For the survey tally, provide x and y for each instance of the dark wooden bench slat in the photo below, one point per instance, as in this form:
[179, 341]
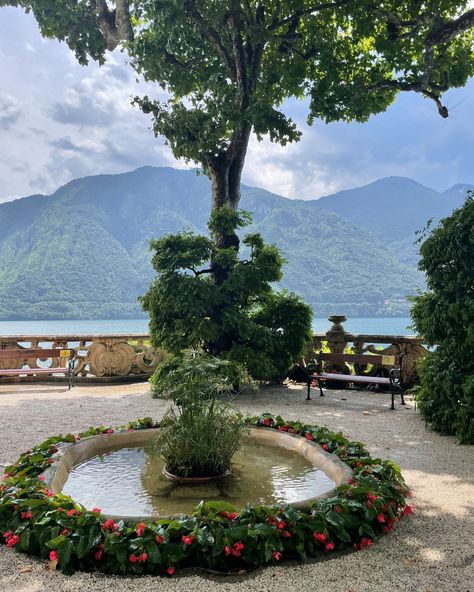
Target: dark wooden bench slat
[360, 359]
[25, 354]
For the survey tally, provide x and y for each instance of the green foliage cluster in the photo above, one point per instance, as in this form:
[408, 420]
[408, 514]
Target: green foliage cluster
[202, 432]
[242, 318]
[216, 535]
[444, 316]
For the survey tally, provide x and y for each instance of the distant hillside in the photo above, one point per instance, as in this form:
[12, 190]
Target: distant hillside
[393, 209]
[82, 252]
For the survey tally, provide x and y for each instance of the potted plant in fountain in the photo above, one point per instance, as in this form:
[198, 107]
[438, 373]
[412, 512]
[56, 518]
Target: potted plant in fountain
[202, 430]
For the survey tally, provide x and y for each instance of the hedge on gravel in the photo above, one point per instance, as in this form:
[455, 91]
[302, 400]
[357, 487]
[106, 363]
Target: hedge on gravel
[215, 536]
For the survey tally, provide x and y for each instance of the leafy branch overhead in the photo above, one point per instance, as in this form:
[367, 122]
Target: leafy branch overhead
[350, 56]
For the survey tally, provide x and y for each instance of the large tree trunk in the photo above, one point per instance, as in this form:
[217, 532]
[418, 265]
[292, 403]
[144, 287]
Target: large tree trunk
[225, 172]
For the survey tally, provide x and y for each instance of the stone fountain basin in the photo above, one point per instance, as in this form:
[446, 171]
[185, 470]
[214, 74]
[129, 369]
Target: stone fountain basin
[71, 455]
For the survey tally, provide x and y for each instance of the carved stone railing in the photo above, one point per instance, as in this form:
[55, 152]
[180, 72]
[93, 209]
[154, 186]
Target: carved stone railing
[336, 339]
[110, 357]
[97, 357]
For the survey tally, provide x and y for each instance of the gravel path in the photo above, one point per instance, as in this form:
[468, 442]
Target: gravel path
[432, 551]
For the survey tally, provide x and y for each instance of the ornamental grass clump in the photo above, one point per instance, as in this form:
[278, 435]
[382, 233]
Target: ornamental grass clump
[202, 431]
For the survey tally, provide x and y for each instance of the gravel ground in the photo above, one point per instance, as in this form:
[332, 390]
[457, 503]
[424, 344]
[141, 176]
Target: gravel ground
[432, 551]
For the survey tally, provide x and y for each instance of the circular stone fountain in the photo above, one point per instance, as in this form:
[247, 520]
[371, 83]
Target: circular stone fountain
[114, 472]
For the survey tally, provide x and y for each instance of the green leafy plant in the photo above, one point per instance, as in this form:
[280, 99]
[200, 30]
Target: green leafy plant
[202, 432]
[444, 316]
[215, 535]
[240, 317]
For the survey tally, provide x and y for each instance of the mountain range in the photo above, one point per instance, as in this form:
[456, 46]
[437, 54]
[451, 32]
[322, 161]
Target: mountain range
[82, 252]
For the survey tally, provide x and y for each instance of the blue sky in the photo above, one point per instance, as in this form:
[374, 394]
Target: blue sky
[59, 121]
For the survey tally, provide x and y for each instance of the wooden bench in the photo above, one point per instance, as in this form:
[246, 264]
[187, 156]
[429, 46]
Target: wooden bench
[24, 355]
[394, 380]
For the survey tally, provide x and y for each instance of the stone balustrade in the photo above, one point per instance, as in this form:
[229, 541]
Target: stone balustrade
[130, 356]
[97, 357]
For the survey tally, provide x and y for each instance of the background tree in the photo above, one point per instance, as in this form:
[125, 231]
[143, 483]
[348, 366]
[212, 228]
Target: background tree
[444, 316]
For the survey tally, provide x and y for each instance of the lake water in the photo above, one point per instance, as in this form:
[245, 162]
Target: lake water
[381, 325]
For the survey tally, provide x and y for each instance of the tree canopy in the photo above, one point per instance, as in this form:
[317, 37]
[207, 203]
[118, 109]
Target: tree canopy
[230, 64]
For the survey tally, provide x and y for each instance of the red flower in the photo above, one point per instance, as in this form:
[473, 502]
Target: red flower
[338, 509]
[40, 478]
[309, 436]
[11, 539]
[133, 558]
[99, 553]
[283, 428]
[276, 555]
[319, 536]
[381, 518]
[51, 461]
[324, 447]
[228, 515]
[140, 529]
[267, 422]
[59, 509]
[65, 531]
[159, 539]
[287, 534]
[281, 525]
[235, 550]
[407, 510]
[329, 547]
[365, 542]
[53, 556]
[26, 515]
[187, 540]
[143, 557]
[171, 570]
[96, 510]
[388, 527]
[109, 431]
[351, 481]
[110, 525]
[72, 512]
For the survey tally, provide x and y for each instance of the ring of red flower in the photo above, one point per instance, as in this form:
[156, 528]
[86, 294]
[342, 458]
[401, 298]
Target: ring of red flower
[215, 536]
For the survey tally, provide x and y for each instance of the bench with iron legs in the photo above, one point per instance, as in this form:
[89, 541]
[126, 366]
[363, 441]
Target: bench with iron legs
[23, 356]
[394, 380]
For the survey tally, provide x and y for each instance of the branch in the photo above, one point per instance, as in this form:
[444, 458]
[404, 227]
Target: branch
[115, 25]
[213, 36]
[417, 87]
[200, 272]
[448, 31]
[239, 52]
[307, 12]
